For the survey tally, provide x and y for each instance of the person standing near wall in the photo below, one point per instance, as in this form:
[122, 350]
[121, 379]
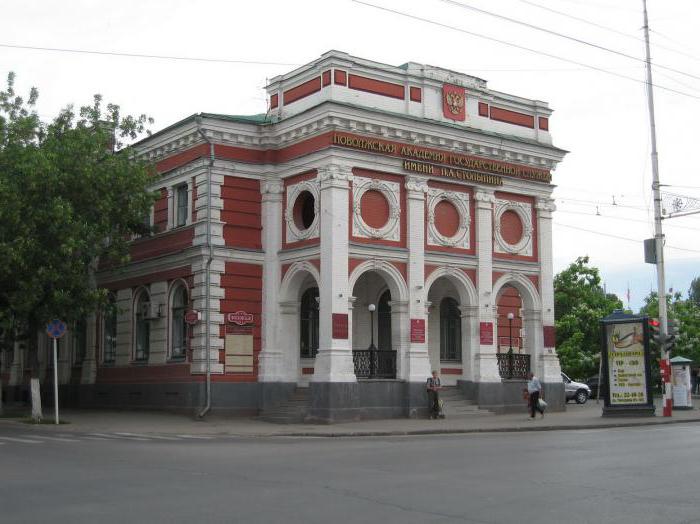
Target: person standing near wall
[534, 388]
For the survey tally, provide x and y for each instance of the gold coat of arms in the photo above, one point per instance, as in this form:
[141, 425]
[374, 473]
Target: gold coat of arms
[454, 101]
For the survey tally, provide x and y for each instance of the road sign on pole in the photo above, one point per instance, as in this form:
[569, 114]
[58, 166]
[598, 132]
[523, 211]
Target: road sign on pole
[56, 329]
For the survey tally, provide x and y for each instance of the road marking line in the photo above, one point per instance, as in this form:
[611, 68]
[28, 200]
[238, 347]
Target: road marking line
[61, 439]
[194, 436]
[22, 440]
[96, 438]
[146, 437]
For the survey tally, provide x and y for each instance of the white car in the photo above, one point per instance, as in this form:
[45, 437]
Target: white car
[575, 390]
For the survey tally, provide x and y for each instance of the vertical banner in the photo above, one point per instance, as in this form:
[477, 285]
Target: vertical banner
[340, 326]
[417, 330]
[486, 333]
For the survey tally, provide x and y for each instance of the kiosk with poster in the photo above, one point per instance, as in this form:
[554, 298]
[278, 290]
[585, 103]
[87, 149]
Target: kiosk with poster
[680, 375]
[625, 350]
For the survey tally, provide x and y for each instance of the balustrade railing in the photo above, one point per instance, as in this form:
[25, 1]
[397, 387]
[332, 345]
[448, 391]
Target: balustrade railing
[513, 365]
[371, 363]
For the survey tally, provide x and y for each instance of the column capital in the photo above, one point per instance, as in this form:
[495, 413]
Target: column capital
[272, 188]
[416, 185]
[484, 199]
[335, 175]
[546, 207]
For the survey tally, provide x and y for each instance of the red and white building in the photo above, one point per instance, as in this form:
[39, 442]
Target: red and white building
[413, 190]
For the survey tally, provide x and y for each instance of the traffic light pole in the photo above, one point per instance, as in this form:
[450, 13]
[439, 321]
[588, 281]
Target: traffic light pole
[665, 364]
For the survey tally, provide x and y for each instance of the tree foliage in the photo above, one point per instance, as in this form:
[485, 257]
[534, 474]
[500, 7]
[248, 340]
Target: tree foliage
[580, 302]
[694, 291]
[70, 195]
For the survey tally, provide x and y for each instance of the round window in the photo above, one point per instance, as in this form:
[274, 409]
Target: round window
[304, 210]
[446, 218]
[374, 208]
[511, 227]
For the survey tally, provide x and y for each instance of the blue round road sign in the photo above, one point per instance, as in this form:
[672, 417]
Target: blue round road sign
[56, 328]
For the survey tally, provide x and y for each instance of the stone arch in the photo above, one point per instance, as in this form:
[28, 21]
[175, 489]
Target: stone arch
[460, 280]
[294, 278]
[527, 290]
[393, 277]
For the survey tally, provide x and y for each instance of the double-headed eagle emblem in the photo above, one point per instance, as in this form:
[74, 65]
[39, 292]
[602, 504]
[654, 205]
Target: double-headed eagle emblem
[455, 102]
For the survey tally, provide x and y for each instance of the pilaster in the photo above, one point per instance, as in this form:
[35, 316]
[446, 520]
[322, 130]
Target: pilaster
[415, 365]
[125, 327]
[271, 358]
[334, 359]
[199, 302]
[486, 365]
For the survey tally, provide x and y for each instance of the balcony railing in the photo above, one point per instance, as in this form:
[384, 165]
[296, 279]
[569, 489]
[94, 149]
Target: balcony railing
[513, 365]
[374, 363]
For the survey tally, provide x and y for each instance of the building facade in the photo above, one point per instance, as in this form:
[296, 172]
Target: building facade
[377, 223]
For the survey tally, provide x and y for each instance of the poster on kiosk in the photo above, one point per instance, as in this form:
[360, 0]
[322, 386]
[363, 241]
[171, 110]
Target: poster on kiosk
[626, 369]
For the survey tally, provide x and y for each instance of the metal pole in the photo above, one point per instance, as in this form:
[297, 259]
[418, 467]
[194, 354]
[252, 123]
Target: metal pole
[55, 378]
[510, 347]
[658, 232]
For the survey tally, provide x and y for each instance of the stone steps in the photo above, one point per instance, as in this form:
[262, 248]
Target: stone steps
[291, 411]
[456, 405]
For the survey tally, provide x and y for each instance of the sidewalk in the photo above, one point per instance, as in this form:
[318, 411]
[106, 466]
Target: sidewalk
[156, 422]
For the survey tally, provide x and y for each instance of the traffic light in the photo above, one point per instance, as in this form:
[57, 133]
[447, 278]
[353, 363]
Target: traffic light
[673, 331]
[654, 330]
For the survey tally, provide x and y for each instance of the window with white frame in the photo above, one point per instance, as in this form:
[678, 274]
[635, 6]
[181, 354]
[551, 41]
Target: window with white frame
[181, 205]
[109, 331]
[142, 329]
[178, 327]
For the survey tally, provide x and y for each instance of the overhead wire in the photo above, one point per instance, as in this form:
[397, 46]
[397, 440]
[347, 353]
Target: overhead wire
[518, 46]
[564, 36]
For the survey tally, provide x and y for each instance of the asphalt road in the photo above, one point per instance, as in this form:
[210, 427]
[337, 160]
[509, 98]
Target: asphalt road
[635, 475]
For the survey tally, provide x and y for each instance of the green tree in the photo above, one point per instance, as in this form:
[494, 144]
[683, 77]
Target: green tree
[70, 196]
[694, 291]
[579, 303]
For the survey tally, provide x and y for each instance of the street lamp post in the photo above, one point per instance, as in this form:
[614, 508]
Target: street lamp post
[510, 346]
[372, 348]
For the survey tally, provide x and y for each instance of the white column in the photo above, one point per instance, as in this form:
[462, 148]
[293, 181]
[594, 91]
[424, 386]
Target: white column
[548, 365]
[271, 358]
[199, 352]
[470, 341]
[334, 359]
[486, 365]
[414, 366]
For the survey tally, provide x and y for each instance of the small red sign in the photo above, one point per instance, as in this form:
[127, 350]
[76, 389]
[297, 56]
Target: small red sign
[418, 330]
[240, 318]
[340, 326]
[486, 333]
[192, 316]
[550, 336]
[454, 102]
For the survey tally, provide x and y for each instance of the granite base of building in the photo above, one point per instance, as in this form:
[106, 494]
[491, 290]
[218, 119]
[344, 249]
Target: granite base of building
[507, 396]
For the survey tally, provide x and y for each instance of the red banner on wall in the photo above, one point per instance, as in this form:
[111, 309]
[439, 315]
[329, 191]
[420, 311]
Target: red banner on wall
[340, 326]
[417, 330]
[550, 336]
[486, 333]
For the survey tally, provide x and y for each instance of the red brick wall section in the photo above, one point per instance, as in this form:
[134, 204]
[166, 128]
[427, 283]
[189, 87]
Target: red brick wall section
[416, 94]
[483, 109]
[402, 204]
[242, 212]
[512, 117]
[511, 227]
[535, 242]
[302, 90]
[375, 209]
[274, 101]
[194, 199]
[509, 301]
[378, 87]
[543, 123]
[447, 221]
[446, 218]
[160, 211]
[326, 78]
[242, 285]
[169, 242]
[340, 77]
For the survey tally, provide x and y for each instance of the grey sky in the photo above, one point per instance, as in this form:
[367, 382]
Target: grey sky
[600, 118]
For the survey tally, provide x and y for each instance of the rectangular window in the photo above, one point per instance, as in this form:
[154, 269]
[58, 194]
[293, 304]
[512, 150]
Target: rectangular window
[181, 205]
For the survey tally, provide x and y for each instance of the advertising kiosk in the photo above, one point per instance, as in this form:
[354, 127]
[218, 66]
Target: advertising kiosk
[625, 350]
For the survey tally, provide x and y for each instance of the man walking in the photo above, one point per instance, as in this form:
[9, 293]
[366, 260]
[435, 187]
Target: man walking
[534, 388]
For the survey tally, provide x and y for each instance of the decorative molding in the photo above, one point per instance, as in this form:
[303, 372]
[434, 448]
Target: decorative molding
[391, 191]
[545, 206]
[335, 175]
[272, 187]
[414, 183]
[485, 196]
[524, 212]
[294, 234]
[460, 201]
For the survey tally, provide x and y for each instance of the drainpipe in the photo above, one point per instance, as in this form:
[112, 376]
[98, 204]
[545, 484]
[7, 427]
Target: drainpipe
[210, 258]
